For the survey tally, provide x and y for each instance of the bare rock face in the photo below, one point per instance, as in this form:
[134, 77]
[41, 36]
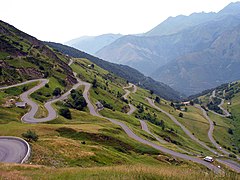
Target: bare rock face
[31, 72]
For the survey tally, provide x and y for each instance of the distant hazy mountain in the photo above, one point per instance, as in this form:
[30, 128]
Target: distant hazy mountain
[91, 44]
[126, 72]
[159, 56]
[197, 71]
[173, 25]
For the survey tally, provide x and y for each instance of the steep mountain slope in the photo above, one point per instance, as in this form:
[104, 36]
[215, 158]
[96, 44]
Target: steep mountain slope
[228, 96]
[123, 71]
[158, 56]
[23, 57]
[92, 44]
[194, 72]
[148, 53]
[173, 25]
[176, 24]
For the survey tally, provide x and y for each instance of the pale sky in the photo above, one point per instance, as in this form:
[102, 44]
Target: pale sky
[63, 20]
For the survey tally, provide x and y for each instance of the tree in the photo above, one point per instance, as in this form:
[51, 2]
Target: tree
[162, 124]
[180, 114]
[230, 131]
[30, 135]
[151, 92]
[94, 83]
[57, 91]
[76, 100]
[65, 112]
[191, 103]
[25, 88]
[157, 99]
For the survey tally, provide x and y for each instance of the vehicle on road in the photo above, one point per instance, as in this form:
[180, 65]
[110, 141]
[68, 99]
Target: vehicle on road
[208, 159]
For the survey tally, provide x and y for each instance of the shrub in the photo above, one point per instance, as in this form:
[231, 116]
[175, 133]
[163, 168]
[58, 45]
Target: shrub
[232, 156]
[180, 114]
[65, 112]
[30, 135]
[157, 99]
[57, 91]
[230, 131]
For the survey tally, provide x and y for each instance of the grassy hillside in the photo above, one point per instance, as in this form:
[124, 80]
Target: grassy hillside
[227, 130]
[123, 71]
[23, 57]
[88, 142]
[85, 146]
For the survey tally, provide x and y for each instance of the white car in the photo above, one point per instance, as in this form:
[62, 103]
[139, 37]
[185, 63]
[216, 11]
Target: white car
[208, 159]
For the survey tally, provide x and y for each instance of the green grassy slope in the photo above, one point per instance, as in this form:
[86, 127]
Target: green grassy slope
[123, 71]
[23, 57]
[85, 146]
[227, 130]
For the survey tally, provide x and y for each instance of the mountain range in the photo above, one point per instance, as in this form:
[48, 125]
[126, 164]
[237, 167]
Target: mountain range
[189, 53]
[23, 57]
[92, 44]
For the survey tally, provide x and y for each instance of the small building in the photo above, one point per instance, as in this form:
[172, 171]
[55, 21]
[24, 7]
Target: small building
[99, 106]
[21, 104]
[187, 103]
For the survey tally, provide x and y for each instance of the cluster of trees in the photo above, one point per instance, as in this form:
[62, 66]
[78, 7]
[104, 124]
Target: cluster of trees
[76, 100]
[151, 118]
[65, 112]
[106, 105]
[213, 105]
[140, 108]
[214, 108]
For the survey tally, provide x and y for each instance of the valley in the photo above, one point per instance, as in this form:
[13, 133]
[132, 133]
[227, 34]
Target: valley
[130, 130]
[66, 114]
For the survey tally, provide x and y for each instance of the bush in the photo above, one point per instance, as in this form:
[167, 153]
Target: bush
[157, 99]
[94, 83]
[232, 156]
[230, 131]
[30, 135]
[180, 114]
[65, 112]
[57, 91]
[76, 100]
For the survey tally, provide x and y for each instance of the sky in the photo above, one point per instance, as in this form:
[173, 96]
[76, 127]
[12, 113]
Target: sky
[63, 20]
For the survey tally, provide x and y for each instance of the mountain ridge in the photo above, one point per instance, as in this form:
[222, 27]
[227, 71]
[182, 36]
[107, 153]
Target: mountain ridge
[126, 72]
[92, 44]
[149, 54]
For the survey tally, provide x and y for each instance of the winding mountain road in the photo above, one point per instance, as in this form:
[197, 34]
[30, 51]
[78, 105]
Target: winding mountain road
[13, 149]
[132, 108]
[20, 84]
[235, 166]
[132, 135]
[226, 113]
[187, 132]
[29, 118]
[232, 164]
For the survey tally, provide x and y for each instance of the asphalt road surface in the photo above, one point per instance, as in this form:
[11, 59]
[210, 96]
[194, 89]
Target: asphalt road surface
[13, 150]
[132, 135]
